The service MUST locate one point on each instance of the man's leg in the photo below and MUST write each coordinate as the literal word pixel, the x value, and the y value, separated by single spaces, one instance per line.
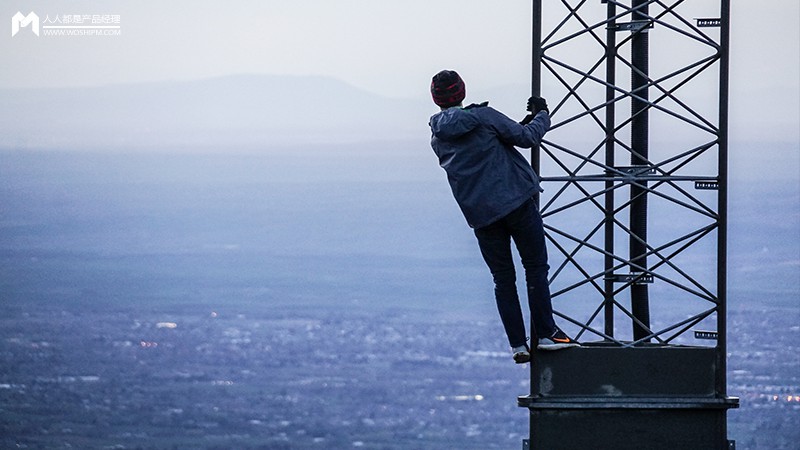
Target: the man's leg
pixel 495 244
pixel 527 230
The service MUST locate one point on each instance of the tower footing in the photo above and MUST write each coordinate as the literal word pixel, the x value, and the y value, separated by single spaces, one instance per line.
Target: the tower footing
pixel 607 396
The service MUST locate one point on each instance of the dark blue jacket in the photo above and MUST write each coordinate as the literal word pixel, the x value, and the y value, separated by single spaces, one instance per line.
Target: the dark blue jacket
pixel 488 176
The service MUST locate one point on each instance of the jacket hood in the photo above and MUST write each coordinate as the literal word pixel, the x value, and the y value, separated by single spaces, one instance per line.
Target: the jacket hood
pixel 453 123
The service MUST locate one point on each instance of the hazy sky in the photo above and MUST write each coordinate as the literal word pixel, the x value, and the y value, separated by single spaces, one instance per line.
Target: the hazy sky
pixel 390 48
pixel 386 47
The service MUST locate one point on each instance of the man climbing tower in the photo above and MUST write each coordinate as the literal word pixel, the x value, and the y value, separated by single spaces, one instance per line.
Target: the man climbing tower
pixel 494 186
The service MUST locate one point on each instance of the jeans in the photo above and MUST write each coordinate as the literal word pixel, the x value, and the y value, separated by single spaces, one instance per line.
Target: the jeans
pixel 524 226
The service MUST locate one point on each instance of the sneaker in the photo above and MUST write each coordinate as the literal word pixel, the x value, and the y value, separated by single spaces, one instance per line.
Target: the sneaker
pixel 557 341
pixel 522 354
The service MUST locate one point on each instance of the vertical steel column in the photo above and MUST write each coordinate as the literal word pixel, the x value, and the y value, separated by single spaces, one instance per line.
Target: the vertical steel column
pixel 536 60
pixel 640 304
pixel 536 76
pixel 611 58
pixel 722 207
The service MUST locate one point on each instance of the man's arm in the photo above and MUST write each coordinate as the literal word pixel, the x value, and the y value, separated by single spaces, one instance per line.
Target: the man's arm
pixel 514 133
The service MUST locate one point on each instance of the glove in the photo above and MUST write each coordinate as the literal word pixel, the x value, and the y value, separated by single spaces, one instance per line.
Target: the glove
pixel 536 104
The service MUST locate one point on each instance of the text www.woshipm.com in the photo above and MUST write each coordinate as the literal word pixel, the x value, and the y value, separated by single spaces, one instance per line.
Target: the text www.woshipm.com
pixel 86 32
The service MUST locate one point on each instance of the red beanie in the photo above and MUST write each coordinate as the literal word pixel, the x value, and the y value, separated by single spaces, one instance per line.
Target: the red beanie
pixel 448 89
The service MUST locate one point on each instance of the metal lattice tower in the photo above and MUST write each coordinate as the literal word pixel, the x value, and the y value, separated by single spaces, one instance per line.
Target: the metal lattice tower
pixel 635 176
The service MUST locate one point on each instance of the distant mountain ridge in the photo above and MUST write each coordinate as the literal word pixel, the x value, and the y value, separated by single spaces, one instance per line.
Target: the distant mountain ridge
pixel 230 110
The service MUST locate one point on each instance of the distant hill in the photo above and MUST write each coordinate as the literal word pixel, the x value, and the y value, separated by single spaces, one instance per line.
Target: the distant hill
pixel 231 110
pixel 262 110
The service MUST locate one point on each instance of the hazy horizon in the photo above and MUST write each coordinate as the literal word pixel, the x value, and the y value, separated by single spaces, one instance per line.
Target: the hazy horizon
pixel 384 49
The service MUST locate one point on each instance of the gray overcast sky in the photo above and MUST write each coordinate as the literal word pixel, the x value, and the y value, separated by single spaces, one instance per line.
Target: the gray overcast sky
pixel 385 47
pixel 390 48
